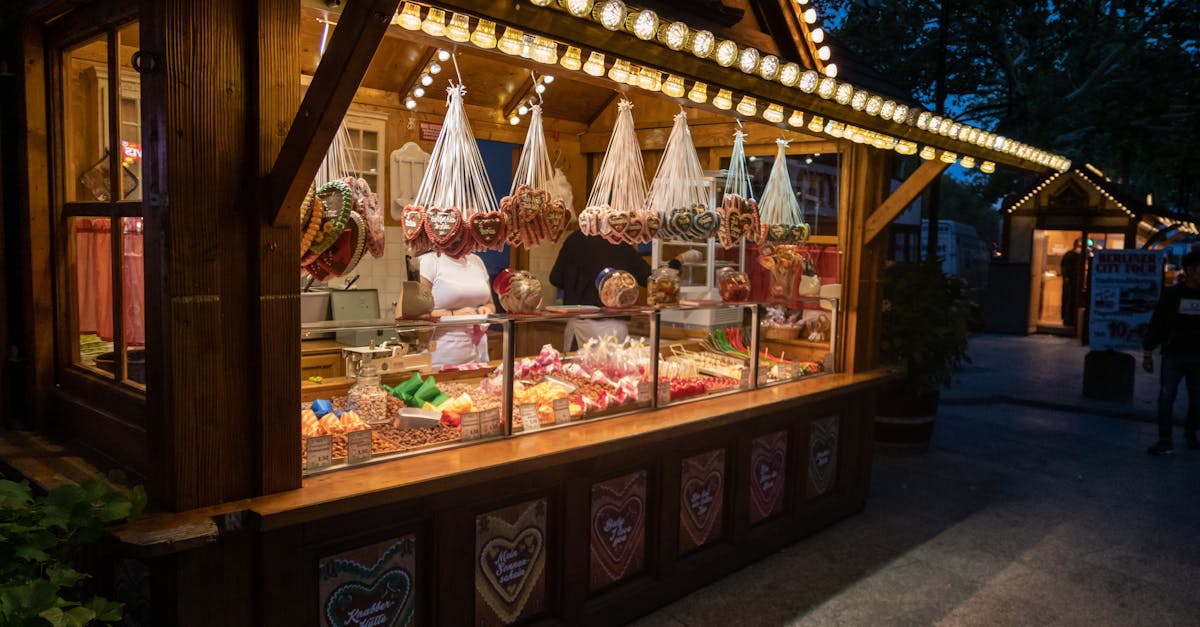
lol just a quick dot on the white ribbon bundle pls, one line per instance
(532, 215)
(455, 209)
(780, 212)
(679, 194)
(739, 212)
(616, 207)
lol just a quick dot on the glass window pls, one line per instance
(814, 179)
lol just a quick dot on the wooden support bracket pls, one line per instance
(903, 197)
(361, 26)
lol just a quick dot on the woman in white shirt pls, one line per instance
(460, 287)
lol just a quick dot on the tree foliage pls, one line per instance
(1108, 82)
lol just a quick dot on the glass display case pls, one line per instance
(372, 390)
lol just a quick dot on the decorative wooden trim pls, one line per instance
(903, 196)
(360, 29)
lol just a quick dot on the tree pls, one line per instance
(1107, 82)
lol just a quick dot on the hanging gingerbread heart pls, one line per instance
(442, 225)
(557, 217)
(653, 226)
(412, 222)
(488, 229)
(635, 227)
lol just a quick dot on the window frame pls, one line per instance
(360, 120)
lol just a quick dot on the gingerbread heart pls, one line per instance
(706, 223)
(442, 224)
(635, 228)
(681, 220)
(556, 217)
(412, 222)
(488, 229)
(653, 225)
(800, 233)
(618, 222)
(778, 233)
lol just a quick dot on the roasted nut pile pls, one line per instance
(414, 438)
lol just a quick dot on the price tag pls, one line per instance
(490, 423)
(643, 391)
(664, 394)
(358, 446)
(529, 416)
(745, 376)
(562, 410)
(319, 451)
(470, 426)
(763, 373)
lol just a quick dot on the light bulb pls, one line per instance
(610, 14)
(906, 147)
(435, 23)
(426, 79)
(773, 114)
(987, 167)
(595, 64)
(578, 8)
(699, 93)
(900, 114)
(511, 42)
(539, 88)
(950, 129)
(808, 81)
(831, 70)
(522, 110)
(967, 162)
(572, 59)
(675, 35)
(748, 106)
(514, 120)
(844, 92)
(673, 86)
(484, 35)
(817, 35)
(459, 30)
(547, 79)
(790, 74)
(410, 17)
(723, 100)
(810, 16)
(796, 119)
(619, 71)
(887, 109)
(874, 104)
(816, 123)
(748, 60)
(435, 67)
(541, 3)
(544, 51)
(927, 153)
(823, 53)
(410, 104)
(859, 100)
(726, 53)
(923, 120)
(419, 91)
(644, 24)
(648, 79)
(768, 68)
(703, 43)
(949, 157)
(834, 129)
(826, 88)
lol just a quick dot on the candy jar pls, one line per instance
(519, 291)
(663, 288)
(734, 285)
(783, 261)
(617, 288)
(366, 397)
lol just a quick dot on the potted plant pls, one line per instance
(925, 332)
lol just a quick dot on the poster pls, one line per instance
(768, 467)
(510, 563)
(701, 493)
(822, 456)
(618, 528)
(370, 586)
(1125, 287)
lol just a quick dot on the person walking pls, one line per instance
(1175, 325)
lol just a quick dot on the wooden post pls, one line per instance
(865, 176)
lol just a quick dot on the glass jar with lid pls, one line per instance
(618, 289)
(367, 397)
(519, 291)
(663, 287)
(734, 285)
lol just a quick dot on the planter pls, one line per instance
(904, 419)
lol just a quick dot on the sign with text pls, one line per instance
(369, 586)
(562, 410)
(490, 423)
(358, 446)
(528, 413)
(510, 563)
(470, 426)
(1125, 287)
(822, 456)
(702, 499)
(428, 131)
(768, 469)
(618, 528)
(318, 452)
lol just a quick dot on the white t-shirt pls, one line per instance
(457, 283)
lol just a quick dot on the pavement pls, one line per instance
(1045, 511)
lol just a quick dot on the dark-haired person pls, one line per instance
(1176, 326)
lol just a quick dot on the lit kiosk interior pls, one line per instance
(540, 480)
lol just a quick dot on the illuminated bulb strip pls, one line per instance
(484, 35)
(595, 64)
(748, 106)
(459, 29)
(410, 17)
(773, 114)
(796, 119)
(572, 59)
(723, 100)
(699, 93)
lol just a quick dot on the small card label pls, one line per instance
(664, 394)
(745, 376)
(470, 426)
(763, 373)
(358, 446)
(320, 452)
(528, 414)
(644, 391)
(489, 422)
(562, 410)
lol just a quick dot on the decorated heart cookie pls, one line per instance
(556, 217)
(488, 229)
(442, 225)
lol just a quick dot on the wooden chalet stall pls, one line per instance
(161, 316)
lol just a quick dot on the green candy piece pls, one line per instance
(411, 386)
(439, 399)
(427, 391)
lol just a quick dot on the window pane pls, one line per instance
(370, 140)
(91, 259)
(131, 115)
(85, 127)
(134, 295)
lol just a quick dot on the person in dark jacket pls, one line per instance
(1175, 326)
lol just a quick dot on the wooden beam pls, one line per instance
(360, 28)
(903, 196)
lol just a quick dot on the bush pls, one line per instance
(925, 324)
(41, 539)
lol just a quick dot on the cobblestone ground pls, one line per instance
(1017, 515)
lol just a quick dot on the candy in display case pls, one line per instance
(797, 339)
(696, 362)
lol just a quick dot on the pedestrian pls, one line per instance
(1069, 271)
(1175, 326)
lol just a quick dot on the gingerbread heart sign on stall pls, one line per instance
(822, 456)
(702, 499)
(768, 469)
(510, 561)
(618, 528)
(372, 585)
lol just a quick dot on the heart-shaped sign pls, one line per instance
(442, 224)
(383, 603)
(507, 564)
(412, 222)
(800, 233)
(511, 557)
(706, 223)
(618, 222)
(681, 220)
(635, 228)
(618, 528)
(653, 224)
(778, 233)
(488, 229)
(768, 457)
(822, 455)
(701, 493)
(557, 217)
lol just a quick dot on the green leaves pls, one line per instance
(40, 541)
(925, 324)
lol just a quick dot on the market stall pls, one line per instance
(421, 433)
